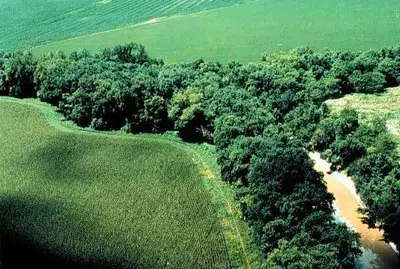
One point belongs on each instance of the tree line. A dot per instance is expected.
(262, 118)
(369, 154)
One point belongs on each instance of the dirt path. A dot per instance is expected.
(377, 253)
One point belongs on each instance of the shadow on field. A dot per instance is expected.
(59, 159)
(27, 222)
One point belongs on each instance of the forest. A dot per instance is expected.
(263, 119)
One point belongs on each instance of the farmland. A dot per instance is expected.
(244, 32)
(27, 23)
(179, 136)
(94, 200)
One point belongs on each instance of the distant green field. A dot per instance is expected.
(27, 23)
(244, 32)
(100, 201)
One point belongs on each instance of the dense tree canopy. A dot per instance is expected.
(369, 153)
(262, 118)
(17, 75)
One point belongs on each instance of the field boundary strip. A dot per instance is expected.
(57, 121)
(230, 209)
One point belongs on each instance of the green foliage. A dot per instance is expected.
(373, 166)
(369, 153)
(55, 75)
(390, 68)
(130, 53)
(107, 92)
(261, 117)
(77, 107)
(186, 109)
(345, 151)
(17, 75)
(291, 212)
(371, 82)
(335, 127)
(235, 159)
(382, 195)
(234, 101)
(336, 250)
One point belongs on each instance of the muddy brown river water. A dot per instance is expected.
(377, 254)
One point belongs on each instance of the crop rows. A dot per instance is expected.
(101, 201)
(26, 24)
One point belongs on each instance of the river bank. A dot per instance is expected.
(377, 254)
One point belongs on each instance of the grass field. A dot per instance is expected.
(26, 23)
(369, 105)
(244, 32)
(103, 201)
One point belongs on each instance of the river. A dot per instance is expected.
(377, 254)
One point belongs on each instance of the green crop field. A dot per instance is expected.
(101, 201)
(244, 32)
(26, 23)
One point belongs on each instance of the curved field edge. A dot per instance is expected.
(244, 32)
(242, 253)
(131, 202)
